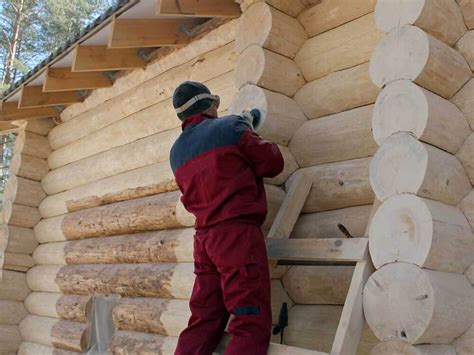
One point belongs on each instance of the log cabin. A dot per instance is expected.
(372, 105)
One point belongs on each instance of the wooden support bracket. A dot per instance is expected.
(101, 58)
(33, 96)
(198, 8)
(63, 79)
(11, 112)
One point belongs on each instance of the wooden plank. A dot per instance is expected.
(11, 112)
(33, 96)
(130, 33)
(101, 58)
(62, 79)
(327, 250)
(351, 324)
(202, 8)
(7, 127)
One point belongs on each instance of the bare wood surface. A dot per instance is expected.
(13, 286)
(101, 58)
(63, 79)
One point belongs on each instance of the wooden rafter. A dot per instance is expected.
(33, 96)
(198, 8)
(63, 79)
(101, 58)
(11, 112)
(150, 32)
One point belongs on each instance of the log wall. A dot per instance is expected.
(421, 238)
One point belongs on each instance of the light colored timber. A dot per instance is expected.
(27, 348)
(10, 339)
(36, 145)
(101, 58)
(467, 206)
(402, 106)
(281, 115)
(275, 197)
(17, 262)
(68, 307)
(433, 307)
(164, 280)
(138, 33)
(464, 99)
(343, 136)
(27, 192)
(278, 296)
(391, 347)
(440, 18)
(467, 9)
(7, 127)
(42, 278)
(43, 304)
(318, 284)
(466, 156)
(49, 230)
(340, 48)
(146, 151)
(423, 232)
(465, 46)
(63, 79)
(11, 312)
(31, 167)
(319, 249)
(13, 286)
(421, 58)
(274, 30)
(40, 126)
(258, 66)
(157, 246)
(155, 118)
(336, 92)
(469, 273)
(20, 215)
(338, 185)
(34, 97)
(465, 343)
(206, 8)
(291, 7)
(11, 112)
(325, 224)
(112, 189)
(404, 165)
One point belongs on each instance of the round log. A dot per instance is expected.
(465, 343)
(318, 284)
(402, 106)
(465, 46)
(325, 224)
(467, 9)
(37, 330)
(402, 301)
(146, 151)
(50, 254)
(338, 185)
(138, 280)
(116, 188)
(467, 206)
(151, 315)
(13, 286)
(18, 262)
(41, 126)
(391, 347)
(20, 240)
(12, 312)
(466, 156)
(10, 339)
(31, 167)
(405, 165)
(36, 145)
(340, 48)
(27, 348)
(421, 58)
(50, 230)
(42, 304)
(464, 99)
(125, 342)
(343, 136)
(267, 27)
(440, 18)
(258, 66)
(324, 15)
(138, 125)
(423, 232)
(43, 278)
(281, 115)
(339, 91)
(22, 216)
(71, 336)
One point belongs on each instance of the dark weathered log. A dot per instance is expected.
(74, 308)
(70, 335)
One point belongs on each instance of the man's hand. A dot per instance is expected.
(252, 118)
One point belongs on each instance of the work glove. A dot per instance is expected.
(252, 118)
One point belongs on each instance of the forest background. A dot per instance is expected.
(30, 30)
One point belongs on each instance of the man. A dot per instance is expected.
(219, 166)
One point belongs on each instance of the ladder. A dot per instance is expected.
(329, 250)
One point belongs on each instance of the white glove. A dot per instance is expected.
(248, 118)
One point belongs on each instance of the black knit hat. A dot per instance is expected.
(183, 96)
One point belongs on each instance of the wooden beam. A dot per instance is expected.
(327, 250)
(7, 127)
(101, 58)
(33, 96)
(62, 79)
(202, 8)
(151, 32)
(11, 112)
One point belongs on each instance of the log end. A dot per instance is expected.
(254, 26)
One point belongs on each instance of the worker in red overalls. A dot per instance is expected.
(219, 165)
